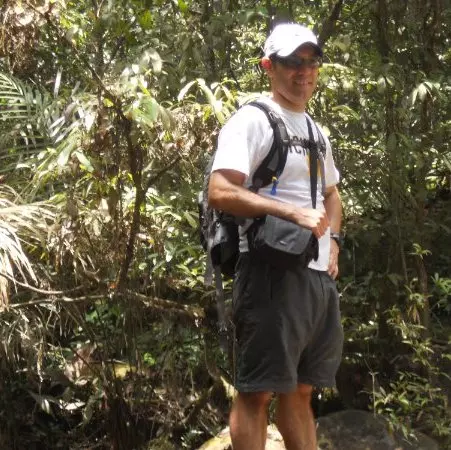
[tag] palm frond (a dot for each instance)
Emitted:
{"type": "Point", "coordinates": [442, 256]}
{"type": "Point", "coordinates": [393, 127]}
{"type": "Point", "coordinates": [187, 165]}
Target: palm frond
{"type": "Point", "coordinates": [20, 223]}
{"type": "Point", "coordinates": [19, 102]}
{"type": "Point", "coordinates": [22, 121]}
{"type": "Point", "coordinates": [26, 117]}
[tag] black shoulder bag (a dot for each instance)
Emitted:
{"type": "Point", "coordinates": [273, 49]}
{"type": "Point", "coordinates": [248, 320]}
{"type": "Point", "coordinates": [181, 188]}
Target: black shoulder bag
{"type": "Point", "coordinates": [283, 243]}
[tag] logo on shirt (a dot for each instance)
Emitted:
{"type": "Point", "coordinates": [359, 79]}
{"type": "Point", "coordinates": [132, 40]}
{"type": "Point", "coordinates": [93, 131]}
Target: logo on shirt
{"type": "Point", "coordinates": [301, 146]}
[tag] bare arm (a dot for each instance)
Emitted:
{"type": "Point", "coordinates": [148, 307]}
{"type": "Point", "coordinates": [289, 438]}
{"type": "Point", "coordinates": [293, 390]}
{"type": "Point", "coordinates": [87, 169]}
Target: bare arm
{"type": "Point", "coordinates": [226, 192]}
{"type": "Point", "coordinates": [332, 203]}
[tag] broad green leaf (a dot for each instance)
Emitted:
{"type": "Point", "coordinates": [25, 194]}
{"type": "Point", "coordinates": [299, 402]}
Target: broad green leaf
{"type": "Point", "coordinates": [166, 118]}
{"type": "Point", "coordinates": [413, 96]}
{"type": "Point", "coordinates": [381, 84]}
{"type": "Point", "coordinates": [191, 220]}
{"type": "Point", "coordinates": [65, 153]}
{"type": "Point", "coordinates": [422, 91]}
{"type": "Point", "coordinates": [185, 89]}
{"type": "Point", "coordinates": [182, 6]}
{"type": "Point", "coordinates": [84, 161]}
{"type": "Point", "coordinates": [107, 102]}
{"type": "Point", "coordinates": [150, 108]}
{"type": "Point", "coordinates": [146, 20]}
{"type": "Point", "coordinates": [152, 57]}
{"type": "Point", "coordinates": [447, 160]}
{"type": "Point", "coordinates": [348, 111]}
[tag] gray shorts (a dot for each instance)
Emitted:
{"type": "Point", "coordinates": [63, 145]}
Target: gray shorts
{"type": "Point", "coordinates": [287, 327]}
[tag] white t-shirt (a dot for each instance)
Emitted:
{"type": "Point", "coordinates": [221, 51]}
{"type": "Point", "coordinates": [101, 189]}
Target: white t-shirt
{"type": "Point", "coordinates": [245, 140]}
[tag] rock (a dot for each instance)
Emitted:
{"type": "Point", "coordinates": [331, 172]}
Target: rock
{"type": "Point", "coordinates": [222, 440]}
{"type": "Point", "coordinates": [353, 430]}
{"type": "Point", "coordinates": [361, 430]}
{"type": "Point", "coordinates": [343, 430]}
{"type": "Point", "coordinates": [274, 439]}
{"type": "Point", "coordinates": [422, 442]}
{"type": "Point", "coordinates": [219, 442]}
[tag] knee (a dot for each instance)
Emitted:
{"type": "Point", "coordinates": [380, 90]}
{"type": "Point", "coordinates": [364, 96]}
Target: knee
{"type": "Point", "coordinates": [254, 400]}
{"type": "Point", "coordinates": [304, 393]}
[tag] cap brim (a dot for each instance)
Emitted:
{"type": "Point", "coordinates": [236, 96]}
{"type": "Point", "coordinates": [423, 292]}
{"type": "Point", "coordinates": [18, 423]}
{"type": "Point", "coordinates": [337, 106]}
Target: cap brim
{"type": "Point", "coordinates": [288, 51]}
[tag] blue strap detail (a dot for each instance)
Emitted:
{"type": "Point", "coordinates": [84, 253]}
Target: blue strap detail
{"type": "Point", "coordinates": [275, 182]}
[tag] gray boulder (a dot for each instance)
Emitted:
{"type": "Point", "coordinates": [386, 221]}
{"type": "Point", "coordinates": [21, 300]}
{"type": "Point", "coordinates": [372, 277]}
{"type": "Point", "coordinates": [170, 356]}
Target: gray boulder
{"type": "Point", "coordinates": [344, 430]}
{"type": "Point", "coordinates": [361, 430]}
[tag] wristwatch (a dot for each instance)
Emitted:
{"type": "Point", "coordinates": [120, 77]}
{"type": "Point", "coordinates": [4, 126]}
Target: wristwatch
{"type": "Point", "coordinates": [337, 238]}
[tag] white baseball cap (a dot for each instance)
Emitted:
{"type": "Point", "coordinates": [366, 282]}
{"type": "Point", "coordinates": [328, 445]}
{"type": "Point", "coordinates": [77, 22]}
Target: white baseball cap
{"type": "Point", "coordinates": [285, 38]}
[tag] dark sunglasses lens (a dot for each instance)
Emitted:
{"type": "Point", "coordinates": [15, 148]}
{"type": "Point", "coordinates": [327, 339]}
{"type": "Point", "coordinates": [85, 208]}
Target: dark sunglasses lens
{"type": "Point", "coordinates": [298, 63]}
{"type": "Point", "coordinates": [293, 63]}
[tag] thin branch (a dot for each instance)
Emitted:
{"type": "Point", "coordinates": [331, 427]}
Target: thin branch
{"type": "Point", "coordinates": [359, 7]}
{"type": "Point", "coordinates": [56, 300]}
{"type": "Point", "coordinates": [197, 406]}
{"type": "Point", "coordinates": [34, 289]}
{"type": "Point", "coordinates": [155, 177]}
{"type": "Point", "coordinates": [136, 170]}
{"type": "Point", "coordinates": [193, 312]}
{"type": "Point", "coordinates": [119, 43]}
{"type": "Point", "coordinates": [136, 165]}
{"type": "Point", "coordinates": [382, 35]}
{"type": "Point", "coordinates": [196, 314]}
{"type": "Point", "coordinates": [328, 26]}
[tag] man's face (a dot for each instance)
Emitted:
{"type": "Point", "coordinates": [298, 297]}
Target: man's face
{"type": "Point", "coordinates": [294, 79]}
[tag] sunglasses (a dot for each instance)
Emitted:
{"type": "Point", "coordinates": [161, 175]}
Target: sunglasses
{"type": "Point", "coordinates": [295, 62]}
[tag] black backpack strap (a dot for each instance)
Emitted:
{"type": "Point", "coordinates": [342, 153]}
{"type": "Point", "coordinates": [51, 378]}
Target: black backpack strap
{"type": "Point", "coordinates": [273, 164]}
{"type": "Point", "coordinates": [321, 157]}
{"type": "Point", "coordinates": [313, 157]}
{"type": "Point", "coordinates": [317, 153]}
{"type": "Point", "coordinates": [220, 305]}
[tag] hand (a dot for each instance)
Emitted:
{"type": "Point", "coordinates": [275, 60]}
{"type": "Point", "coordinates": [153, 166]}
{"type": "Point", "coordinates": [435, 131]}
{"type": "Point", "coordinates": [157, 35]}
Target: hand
{"type": "Point", "coordinates": [333, 259]}
{"type": "Point", "coordinates": [313, 219]}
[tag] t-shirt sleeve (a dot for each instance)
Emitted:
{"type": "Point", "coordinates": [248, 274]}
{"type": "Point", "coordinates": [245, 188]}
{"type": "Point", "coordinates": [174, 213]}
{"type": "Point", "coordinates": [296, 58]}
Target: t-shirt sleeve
{"type": "Point", "coordinates": [332, 176]}
{"type": "Point", "coordinates": [242, 141]}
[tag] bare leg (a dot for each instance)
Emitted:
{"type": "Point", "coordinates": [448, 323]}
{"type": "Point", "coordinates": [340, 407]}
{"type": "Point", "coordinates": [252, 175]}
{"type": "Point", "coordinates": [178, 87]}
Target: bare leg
{"type": "Point", "coordinates": [295, 420]}
{"type": "Point", "coordinates": [249, 420]}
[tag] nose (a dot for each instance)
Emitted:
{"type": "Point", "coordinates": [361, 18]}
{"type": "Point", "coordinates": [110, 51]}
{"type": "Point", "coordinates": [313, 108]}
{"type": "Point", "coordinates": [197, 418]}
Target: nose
{"type": "Point", "coordinates": [303, 71]}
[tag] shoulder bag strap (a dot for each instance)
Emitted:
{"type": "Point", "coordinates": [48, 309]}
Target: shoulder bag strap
{"type": "Point", "coordinates": [322, 157]}
{"type": "Point", "coordinates": [313, 157]}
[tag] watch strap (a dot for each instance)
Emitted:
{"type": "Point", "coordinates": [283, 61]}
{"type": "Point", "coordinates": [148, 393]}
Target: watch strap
{"type": "Point", "coordinates": [336, 237]}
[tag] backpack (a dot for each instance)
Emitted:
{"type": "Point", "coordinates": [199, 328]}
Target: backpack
{"type": "Point", "coordinates": [219, 230]}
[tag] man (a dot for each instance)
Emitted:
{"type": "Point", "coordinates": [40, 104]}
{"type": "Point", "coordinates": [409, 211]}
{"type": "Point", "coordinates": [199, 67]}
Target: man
{"type": "Point", "coordinates": [287, 322]}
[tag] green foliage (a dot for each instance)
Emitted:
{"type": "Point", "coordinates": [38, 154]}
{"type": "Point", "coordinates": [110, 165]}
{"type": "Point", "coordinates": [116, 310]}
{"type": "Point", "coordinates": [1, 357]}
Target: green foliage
{"type": "Point", "coordinates": [412, 398]}
{"type": "Point", "coordinates": [168, 251]}
{"type": "Point", "coordinates": [442, 292]}
{"type": "Point", "coordinates": [108, 115]}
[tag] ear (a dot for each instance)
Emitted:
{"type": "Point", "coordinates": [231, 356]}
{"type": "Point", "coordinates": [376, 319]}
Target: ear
{"type": "Point", "coordinates": [266, 63]}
